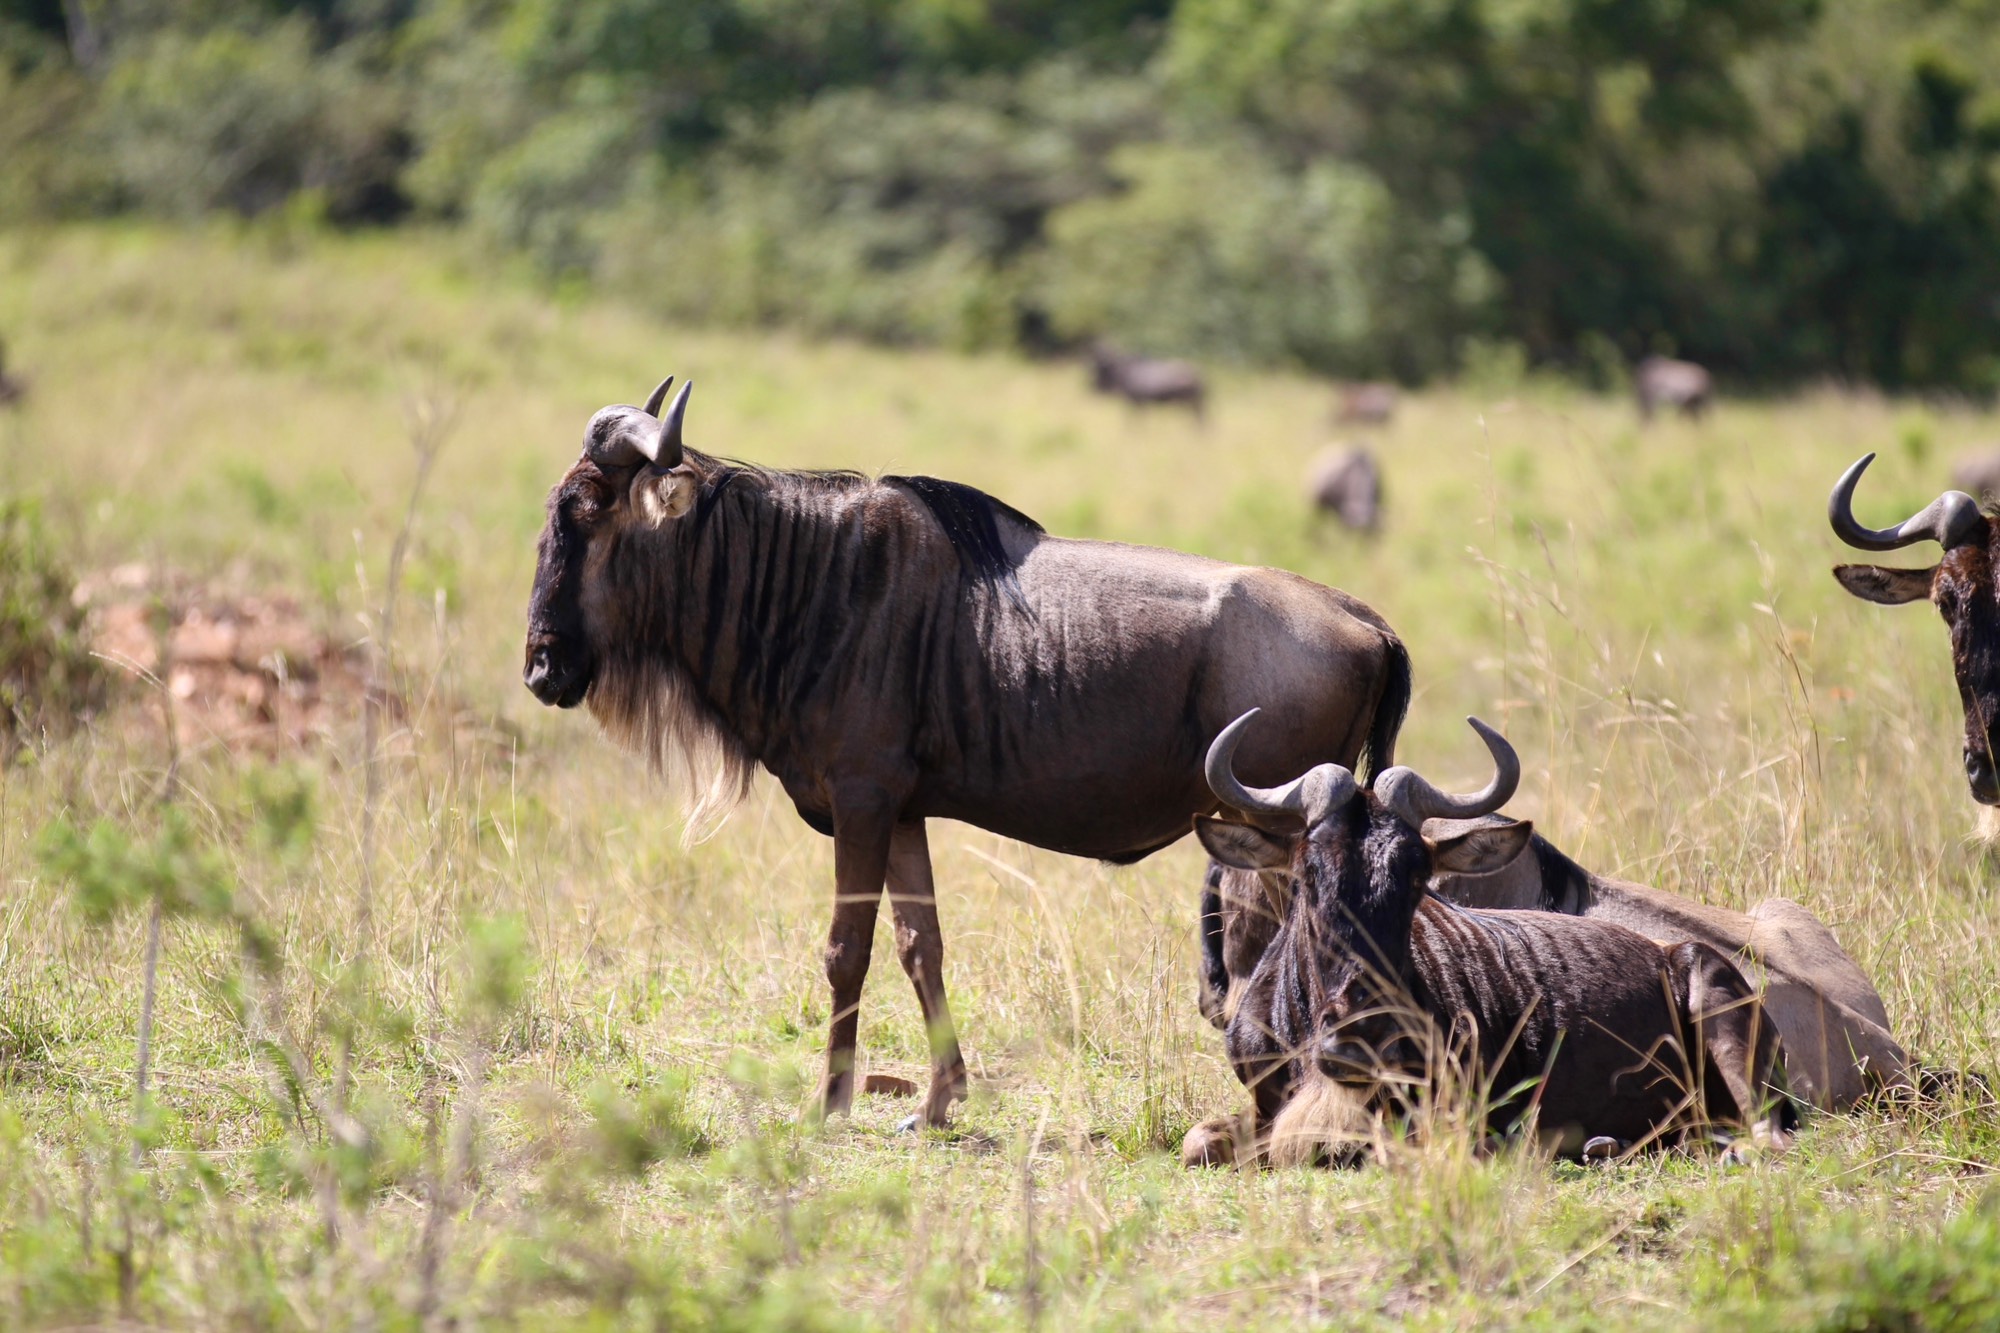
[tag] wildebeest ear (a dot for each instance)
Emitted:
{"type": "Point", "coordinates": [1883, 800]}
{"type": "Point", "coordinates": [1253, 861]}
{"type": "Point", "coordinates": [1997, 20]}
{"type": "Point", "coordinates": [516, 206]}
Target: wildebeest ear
{"type": "Point", "coordinates": [1891, 587]}
{"type": "Point", "coordinates": [1481, 849]}
{"type": "Point", "coordinates": [664, 495]}
{"type": "Point", "coordinates": [1241, 846]}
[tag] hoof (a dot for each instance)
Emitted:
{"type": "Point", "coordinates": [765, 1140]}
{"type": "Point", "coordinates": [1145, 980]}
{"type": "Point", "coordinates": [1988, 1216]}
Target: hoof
{"type": "Point", "coordinates": [1766, 1137]}
{"type": "Point", "coordinates": [1212, 1143]}
{"type": "Point", "coordinates": [1603, 1148]}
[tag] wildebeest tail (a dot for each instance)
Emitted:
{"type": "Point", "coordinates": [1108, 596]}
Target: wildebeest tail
{"type": "Point", "coordinates": [1214, 996]}
{"type": "Point", "coordinates": [1390, 710]}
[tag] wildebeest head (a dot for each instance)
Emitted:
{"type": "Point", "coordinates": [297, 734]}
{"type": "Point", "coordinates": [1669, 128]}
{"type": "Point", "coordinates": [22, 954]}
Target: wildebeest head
{"type": "Point", "coordinates": [1358, 866]}
{"type": "Point", "coordinates": [1961, 586]}
{"type": "Point", "coordinates": [633, 470]}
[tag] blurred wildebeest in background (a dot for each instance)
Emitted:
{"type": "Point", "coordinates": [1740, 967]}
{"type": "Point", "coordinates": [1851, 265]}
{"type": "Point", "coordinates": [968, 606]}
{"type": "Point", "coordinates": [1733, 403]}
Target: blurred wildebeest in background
{"type": "Point", "coordinates": [1831, 1022]}
{"type": "Point", "coordinates": [1142, 379]}
{"type": "Point", "coordinates": [12, 389]}
{"type": "Point", "coordinates": [1345, 482]}
{"type": "Point", "coordinates": [1978, 474]}
{"type": "Point", "coordinates": [1682, 386]}
{"type": "Point", "coordinates": [1961, 586]}
{"type": "Point", "coordinates": [903, 648]}
{"type": "Point", "coordinates": [1365, 405]}
{"type": "Point", "coordinates": [1371, 982]}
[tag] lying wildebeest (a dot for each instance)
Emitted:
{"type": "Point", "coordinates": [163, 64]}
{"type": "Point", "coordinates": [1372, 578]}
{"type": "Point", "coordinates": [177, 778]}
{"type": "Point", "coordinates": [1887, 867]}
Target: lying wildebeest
{"type": "Point", "coordinates": [1345, 482]}
{"type": "Point", "coordinates": [1829, 1017]}
{"type": "Point", "coordinates": [1832, 1026]}
{"type": "Point", "coordinates": [1143, 379]}
{"type": "Point", "coordinates": [1595, 1030]}
{"type": "Point", "coordinates": [905, 648]}
{"type": "Point", "coordinates": [1978, 475]}
{"type": "Point", "coordinates": [1365, 405]}
{"type": "Point", "coordinates": [1682, 386]}
{"type": "Point", "coordinates": [1962, 587]}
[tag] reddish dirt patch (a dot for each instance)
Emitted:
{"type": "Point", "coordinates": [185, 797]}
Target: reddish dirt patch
{"type": "Point", "coordinates": [244, 670]}
{"type": "Point", "coordinates": [888, 1085]}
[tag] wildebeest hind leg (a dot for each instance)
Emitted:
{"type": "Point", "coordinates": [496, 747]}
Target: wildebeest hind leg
{"type": "Point", "coordinates": [860, 861]}
{"type": "Point", "coordinates": [1737, 1042]}
{"type": "Point", "coordinates": [920, 945]}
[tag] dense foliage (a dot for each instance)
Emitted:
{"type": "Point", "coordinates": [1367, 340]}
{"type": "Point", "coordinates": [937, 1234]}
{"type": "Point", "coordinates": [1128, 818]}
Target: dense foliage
{"type": "Point", "coordinates": [1782, 188]}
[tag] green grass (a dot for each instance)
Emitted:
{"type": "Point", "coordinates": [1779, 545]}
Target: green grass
{"type": "Point", "coordinates": [1696, 703]}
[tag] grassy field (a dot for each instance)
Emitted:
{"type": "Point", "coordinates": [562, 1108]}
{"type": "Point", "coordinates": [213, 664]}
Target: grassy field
{"type": "Point", "coordinates": [560, 1075]}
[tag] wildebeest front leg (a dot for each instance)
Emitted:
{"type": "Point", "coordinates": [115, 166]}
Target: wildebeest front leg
{"type": "Point", "coordinates": [860, 860]}
{"type": "Point", "coordinates": [1738, 1043]}
{"type": "Point", "coordinates": [920, 945]}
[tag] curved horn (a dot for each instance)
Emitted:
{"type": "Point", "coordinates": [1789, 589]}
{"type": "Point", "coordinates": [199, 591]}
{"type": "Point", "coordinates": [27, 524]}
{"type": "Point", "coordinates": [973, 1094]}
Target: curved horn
{"type": "Point", "coordinates": [1414, 800]}
{"type": "Point", "coordinates": [1314, 795]}
{"type": "Point", "coordinates": [1950, 520]}
{"type": "Point", "coordinates": [667, 451]}
{"type": "Point", "coordinates": [614, 448]}
{"type": "Point", "coordinates": [659, 396]}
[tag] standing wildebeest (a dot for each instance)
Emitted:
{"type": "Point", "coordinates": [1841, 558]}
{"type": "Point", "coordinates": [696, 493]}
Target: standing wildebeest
{"type": "Point", "coordinates": [1978, 474]}
{"type": "Point", "coordinates": [1143, 379]}
{"type": "Point", "coordinates": [1365, 405]}
{"type": "Point", "coordinates": [1664, 382]}
{"type": "Point", "coordinates": [1961, 585]}
{"type": "Point", "coordinates": [901, 649]}
{"type": "Point", "coordinates": [1346, 483]}
{"type": "Point", "coordinates": [1596, 1030]}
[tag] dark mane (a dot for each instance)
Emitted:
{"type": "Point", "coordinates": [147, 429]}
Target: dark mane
{"type": "Point", "coordinates": [968, 517]}
{"type": "Point", "coordinates": [1565, 884]}
{"type": "Point", "coordinates": [765, 576]}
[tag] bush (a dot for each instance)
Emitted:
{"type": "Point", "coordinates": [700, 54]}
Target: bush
{"type": "Point", "coordinates": [240, 120]}
{"type": "Point", "coordinates": [1214, 249]}
{"type": "Point", "coordinates": [543, 195]}
{"type": "Point", "coordinates": [53, 167]}
{"type": "Point", "coordinates": [878, 215]}
{"type": "Point", "coordinates": [48, 679]}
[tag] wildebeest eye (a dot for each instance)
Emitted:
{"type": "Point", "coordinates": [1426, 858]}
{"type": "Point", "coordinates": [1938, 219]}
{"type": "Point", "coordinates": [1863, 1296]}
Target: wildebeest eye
{"type": "Point", "coordinates": [1947, 602]}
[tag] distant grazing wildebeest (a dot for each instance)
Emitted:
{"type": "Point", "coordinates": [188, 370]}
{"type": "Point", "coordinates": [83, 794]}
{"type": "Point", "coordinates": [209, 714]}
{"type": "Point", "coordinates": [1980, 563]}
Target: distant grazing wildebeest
{"type": "Point", "coordinates": [1365, 405]}
{"type": "Point", "coordinates": [899, 649]}
{"type": "Point", "coordinates": [1978, 474]}
{"type": "Point", "coordinates": [1603, 1035]}
{"type": "Point", "coordinates": [1143, 379]}
{"type": "Point", "coordinates": [12, 390]}
{"type": "Point", "coordinates": [1662, 382]}
{"type": "Point", "coordinates": [1961, 586]}
{"type": "Point", "coordinates": [1345, 482]}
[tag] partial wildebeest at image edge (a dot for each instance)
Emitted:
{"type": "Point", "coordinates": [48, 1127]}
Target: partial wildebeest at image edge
{"type": "Point", "coordinates": [1603, 1039]}
{"type": "Point", "coordinates": [901, 649]}
{"type": "Point", "coordinates": [1960, 585]}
